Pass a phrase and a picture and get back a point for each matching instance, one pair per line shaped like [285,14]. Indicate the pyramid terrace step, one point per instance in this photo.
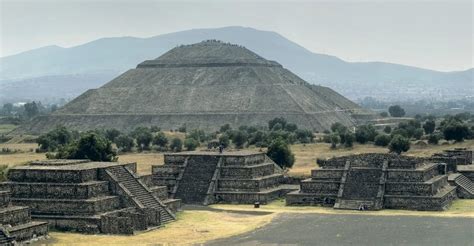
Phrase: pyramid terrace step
[245,197]
[320,186]
[254,171]
[440,201]
[426,188]
[255,184]
[69,206]
[58,190]
[423,173]
[14,215]
[28,230]
[327,174]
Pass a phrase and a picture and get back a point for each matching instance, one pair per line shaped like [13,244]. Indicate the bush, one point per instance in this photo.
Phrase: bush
[418,133]
[176,145]
[384,114]
[349,139]
[143,137]
[225,128]
[291,127]
[224,140]
[455,130]
[191,144]
[365,133]
[279,120]
[387,129]
[335,140]
[433,139]
[54,139]
[124,143]
[112,134]
[280,153]
[396,111]
[382,140]
[239,138]
[304,136]
[90,146]
[429,126]
[182,128]
[399,144]
[160,140]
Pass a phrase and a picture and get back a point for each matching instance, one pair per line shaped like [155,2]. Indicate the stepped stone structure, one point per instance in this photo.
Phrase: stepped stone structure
[89,197]
[16,224]
[206,177]
[204,85]
[376,181]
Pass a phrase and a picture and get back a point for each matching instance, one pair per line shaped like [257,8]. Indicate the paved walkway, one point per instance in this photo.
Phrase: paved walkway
[324,229]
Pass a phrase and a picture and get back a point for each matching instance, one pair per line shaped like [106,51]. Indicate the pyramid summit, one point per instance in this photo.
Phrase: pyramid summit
[204,85]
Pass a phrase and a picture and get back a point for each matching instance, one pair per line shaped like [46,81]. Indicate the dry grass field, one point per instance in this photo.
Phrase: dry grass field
[192,227]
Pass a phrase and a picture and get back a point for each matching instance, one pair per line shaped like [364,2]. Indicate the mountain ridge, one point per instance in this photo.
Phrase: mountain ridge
[112,56]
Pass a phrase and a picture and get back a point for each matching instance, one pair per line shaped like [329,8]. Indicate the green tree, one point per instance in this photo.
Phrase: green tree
[280,153]
[382,140]
[335,140]
[455,130]
[90,146]
[239,139]
[396,111]
[387,129]
[191,144]
[225,128]
[304,136]
[429,126]
[278,120]
[224,140]
[291,127]
[433,139]
[384,114]
[160,140]
[54,139]
[349,139]
[176,145]
[31,109]
[365,133]
[124,143]
[399,144]
[7,108]
[143,137]
[112,134]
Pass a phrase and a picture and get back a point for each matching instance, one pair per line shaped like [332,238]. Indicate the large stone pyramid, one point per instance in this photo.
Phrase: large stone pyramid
[204,85]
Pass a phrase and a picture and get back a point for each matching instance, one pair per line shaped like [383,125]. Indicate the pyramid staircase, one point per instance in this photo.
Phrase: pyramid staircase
[196,179]
[207,177]
[361,188]
[464,185]
[141,194]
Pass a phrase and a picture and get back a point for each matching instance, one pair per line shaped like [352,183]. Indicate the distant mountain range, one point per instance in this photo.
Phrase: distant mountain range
[54,72]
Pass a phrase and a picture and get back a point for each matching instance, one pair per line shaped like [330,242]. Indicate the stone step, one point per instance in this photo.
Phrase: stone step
[14,215]
[28,230]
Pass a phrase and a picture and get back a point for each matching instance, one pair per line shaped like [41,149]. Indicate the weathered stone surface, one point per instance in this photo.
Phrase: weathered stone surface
[204,86]
[372,181]
[231,177]
[84,196]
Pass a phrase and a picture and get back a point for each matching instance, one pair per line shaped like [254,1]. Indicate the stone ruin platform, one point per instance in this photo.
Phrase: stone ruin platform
[16,225]
[376,181]
[206,177]
[88,197]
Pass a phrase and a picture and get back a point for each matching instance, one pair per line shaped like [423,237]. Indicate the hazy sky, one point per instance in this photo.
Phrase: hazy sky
[430,34]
